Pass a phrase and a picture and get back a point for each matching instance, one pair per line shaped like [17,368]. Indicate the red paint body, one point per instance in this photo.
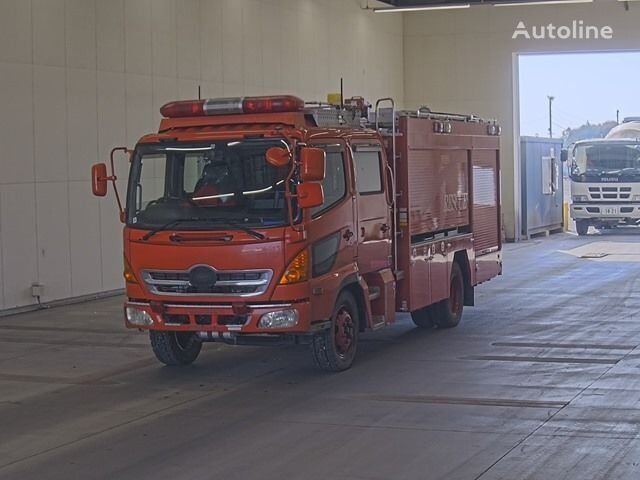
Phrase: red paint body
[447,207]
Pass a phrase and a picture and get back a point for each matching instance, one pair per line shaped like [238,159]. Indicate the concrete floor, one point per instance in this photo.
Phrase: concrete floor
[541,380]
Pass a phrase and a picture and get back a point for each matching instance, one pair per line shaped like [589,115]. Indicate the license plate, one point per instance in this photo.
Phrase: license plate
[609,210]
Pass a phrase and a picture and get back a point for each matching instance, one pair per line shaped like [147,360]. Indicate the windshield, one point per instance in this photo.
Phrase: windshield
[195,186]
[606,162]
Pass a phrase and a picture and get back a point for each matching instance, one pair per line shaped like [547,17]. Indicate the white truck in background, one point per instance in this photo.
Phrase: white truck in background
[605,178]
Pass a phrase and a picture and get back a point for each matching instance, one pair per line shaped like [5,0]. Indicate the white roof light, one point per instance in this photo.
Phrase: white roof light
[420,9]
[545,2]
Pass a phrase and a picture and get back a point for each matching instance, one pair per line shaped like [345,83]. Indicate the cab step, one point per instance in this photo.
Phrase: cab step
[374,293]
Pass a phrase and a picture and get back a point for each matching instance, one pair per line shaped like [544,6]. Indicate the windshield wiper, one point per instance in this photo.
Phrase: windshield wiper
[170,224]
[235,224]
[217,221]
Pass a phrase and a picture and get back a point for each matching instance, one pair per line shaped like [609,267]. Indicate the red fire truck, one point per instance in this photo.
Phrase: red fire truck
[265,220]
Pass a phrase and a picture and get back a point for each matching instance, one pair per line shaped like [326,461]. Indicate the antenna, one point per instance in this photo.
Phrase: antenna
[199,97]
[341,95]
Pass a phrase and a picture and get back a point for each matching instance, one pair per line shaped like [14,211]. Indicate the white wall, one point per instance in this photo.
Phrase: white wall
[78,77]
[461,60]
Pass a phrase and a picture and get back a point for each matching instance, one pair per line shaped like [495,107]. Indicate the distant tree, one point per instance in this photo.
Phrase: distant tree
[586,131]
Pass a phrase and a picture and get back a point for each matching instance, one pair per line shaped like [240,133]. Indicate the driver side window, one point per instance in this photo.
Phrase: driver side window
[193,167]
[152,180]
[334,184]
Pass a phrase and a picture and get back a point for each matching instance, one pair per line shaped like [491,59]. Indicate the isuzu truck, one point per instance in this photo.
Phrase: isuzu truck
[605,179]
[268,220]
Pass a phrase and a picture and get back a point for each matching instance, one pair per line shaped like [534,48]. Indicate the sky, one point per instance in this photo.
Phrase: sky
[586,86]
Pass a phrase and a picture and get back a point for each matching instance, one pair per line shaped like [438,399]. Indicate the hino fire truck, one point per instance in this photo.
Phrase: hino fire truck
[265,220]
[605,179]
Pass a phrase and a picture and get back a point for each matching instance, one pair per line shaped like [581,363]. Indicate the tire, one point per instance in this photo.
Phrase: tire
[175,348]
[335,348]
[582,227]
[449,311]
[423,318]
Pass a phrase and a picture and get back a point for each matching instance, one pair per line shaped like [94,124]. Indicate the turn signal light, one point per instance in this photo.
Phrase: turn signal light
[128,274]
[298,269]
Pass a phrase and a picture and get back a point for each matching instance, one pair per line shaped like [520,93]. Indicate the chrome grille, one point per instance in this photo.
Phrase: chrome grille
[242,283]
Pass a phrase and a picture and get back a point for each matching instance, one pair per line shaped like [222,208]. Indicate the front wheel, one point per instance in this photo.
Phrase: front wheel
[175,348]
[334,349]
[582,227]
[449,311]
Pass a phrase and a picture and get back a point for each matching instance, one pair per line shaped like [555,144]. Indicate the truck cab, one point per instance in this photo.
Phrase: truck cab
[605,179]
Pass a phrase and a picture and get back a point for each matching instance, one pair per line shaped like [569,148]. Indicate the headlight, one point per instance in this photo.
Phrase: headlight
[580,198]
[135,316]
[635,198]
[281,319]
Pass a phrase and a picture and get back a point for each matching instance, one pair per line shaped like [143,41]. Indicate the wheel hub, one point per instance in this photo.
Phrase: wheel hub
[456,297]
[184,339]
[344,331]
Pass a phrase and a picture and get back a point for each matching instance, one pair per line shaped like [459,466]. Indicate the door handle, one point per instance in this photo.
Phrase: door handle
[384,228]
[363,232]
[347,235]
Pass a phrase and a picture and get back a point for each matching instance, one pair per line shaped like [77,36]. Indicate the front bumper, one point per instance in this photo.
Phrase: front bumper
[219,318]
[598,211]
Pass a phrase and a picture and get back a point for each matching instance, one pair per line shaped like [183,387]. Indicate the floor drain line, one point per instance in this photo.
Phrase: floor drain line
[594,346]
[507,358]
[488,402]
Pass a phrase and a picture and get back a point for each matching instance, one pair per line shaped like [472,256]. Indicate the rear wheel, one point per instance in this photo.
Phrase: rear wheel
[335,348]
[582,227]
[449,311]
[423,318]
[175,348]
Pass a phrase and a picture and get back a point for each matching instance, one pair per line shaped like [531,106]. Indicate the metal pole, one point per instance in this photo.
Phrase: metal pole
[550,122]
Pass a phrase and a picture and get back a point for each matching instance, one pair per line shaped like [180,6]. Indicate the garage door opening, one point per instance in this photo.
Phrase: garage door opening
[564,98]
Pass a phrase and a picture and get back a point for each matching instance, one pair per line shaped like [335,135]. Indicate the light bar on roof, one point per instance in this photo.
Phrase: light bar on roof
[232,106]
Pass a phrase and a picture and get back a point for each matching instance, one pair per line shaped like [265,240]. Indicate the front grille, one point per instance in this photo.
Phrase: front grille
[176,318]
[244,283]
[610,193]
[235,320]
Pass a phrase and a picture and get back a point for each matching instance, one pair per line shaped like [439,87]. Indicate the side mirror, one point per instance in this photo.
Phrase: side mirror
[564,155]
[312,164]
[99,179]
[278,157]
[310,195]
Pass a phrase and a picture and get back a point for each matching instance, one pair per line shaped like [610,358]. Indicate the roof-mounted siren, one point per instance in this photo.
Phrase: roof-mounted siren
[494,129]
[630,119]
[232,106]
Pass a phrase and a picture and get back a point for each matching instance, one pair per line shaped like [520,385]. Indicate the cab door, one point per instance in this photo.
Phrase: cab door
[332,230]
[373,214]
